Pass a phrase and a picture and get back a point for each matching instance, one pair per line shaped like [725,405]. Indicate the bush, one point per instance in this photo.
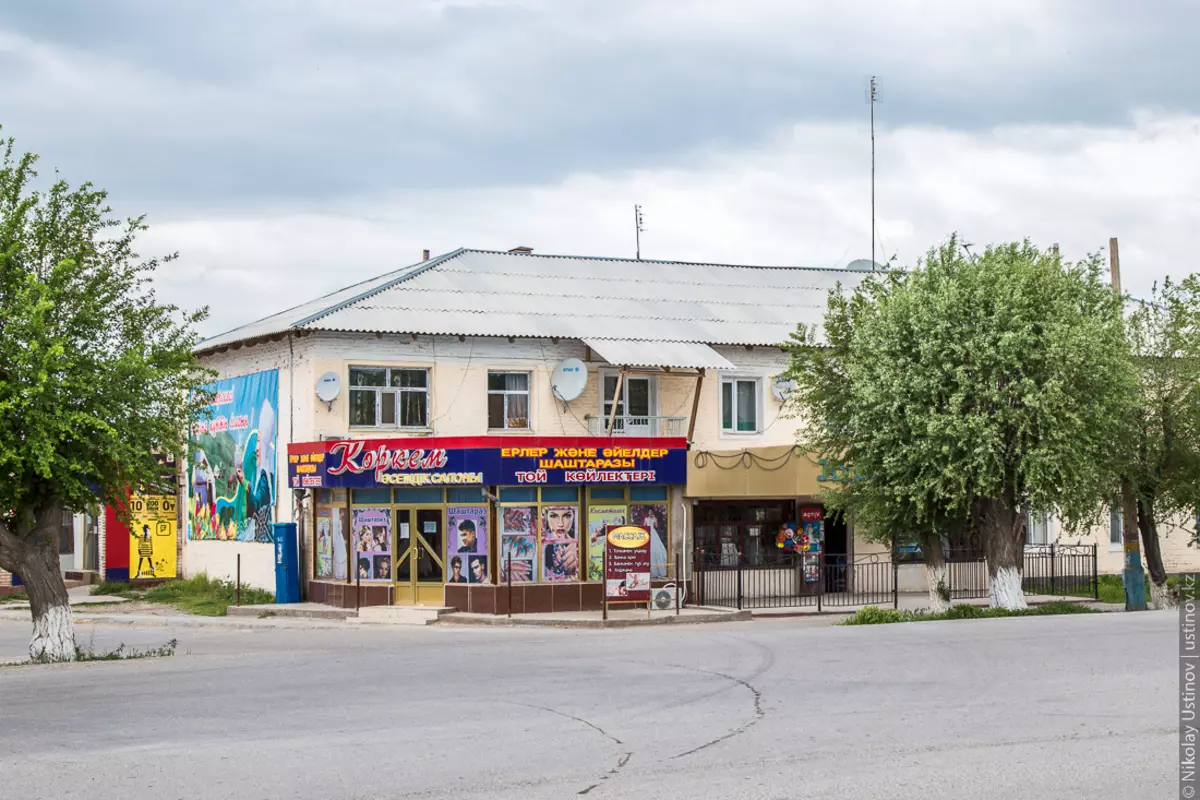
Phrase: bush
[962,611]
[874,615]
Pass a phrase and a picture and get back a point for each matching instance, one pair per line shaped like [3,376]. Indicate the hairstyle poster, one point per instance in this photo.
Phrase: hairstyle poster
[371,533]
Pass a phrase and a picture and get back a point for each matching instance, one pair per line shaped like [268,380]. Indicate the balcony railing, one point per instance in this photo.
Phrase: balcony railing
[638,426]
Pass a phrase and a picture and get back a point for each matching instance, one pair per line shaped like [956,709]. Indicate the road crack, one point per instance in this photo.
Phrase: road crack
[621,762]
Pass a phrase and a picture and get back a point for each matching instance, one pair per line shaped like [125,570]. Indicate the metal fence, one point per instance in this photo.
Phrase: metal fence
[1066,570]
[837,580]
[798,580]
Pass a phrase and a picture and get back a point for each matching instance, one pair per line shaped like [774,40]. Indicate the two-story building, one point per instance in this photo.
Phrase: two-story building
[480,415]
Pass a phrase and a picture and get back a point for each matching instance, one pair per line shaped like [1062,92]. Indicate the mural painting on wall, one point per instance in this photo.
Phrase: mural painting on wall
[599,520]
[152,536]
[231,491]
[560,543]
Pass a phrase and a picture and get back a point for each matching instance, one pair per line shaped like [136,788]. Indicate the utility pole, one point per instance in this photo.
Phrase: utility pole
[637,225]
[1134,577]
[874,95]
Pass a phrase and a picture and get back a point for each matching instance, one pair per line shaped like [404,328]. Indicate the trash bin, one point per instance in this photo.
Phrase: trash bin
[287,563]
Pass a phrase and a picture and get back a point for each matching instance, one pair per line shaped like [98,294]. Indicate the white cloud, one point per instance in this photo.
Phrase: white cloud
[801,199]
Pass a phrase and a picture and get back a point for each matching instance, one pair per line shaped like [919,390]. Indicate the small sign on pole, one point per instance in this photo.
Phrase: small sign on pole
[627,566]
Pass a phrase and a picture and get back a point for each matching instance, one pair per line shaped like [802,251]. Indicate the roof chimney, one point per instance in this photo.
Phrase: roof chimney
[424,255]
[522,249]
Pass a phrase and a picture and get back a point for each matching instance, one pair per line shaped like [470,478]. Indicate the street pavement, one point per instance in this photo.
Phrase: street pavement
[1051,707]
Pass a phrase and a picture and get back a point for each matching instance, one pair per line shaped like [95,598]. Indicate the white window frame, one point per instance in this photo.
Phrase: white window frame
[397,391]
[1116,515]
[757,380]
[623,402]
[1030,517]
[506,392]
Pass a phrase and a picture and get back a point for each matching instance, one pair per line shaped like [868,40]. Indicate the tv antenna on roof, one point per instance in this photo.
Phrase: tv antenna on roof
[872,99]
[638,221]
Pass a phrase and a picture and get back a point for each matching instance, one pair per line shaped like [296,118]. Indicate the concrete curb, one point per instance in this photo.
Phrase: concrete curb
[291,612]
[490,621]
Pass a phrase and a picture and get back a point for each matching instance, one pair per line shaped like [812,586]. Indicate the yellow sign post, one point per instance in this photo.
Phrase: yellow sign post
[152,529]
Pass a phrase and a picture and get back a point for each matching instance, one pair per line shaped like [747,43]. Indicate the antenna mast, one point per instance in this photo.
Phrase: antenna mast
[874,95]
[637,224]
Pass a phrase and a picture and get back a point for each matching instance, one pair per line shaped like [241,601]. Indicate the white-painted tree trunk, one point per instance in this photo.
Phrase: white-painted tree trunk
[939,600]
[53,635]
[1161,597]
[1006,591]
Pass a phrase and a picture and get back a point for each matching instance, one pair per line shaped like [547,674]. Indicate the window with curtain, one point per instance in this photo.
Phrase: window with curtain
[1037,528]
[389,398]
[1115,529]
[66,537]
[740,405]
[508,400]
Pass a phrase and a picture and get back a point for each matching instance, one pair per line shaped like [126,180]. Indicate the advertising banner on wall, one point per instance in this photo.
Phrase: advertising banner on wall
[152,528]
[371,533]
[469,542]
[487,460]
[627,577]
[518,544]
[560,543]
[600,518]
[231,487]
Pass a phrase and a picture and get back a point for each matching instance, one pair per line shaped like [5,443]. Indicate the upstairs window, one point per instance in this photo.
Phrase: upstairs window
[1037,528]
[508,400]
[740,401]
[389,398]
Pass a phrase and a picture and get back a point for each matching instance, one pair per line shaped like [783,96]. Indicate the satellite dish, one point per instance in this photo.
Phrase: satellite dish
[782,388]
[329,386]
[569,379]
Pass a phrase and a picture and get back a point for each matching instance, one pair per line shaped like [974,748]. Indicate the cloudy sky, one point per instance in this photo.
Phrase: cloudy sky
[286,149]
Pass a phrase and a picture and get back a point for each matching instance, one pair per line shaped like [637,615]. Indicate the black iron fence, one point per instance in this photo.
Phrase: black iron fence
[794,580]
[800,580]
[1066,570]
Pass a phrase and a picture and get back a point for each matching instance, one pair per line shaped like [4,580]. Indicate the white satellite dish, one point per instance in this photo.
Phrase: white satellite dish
[329,386]
[569,379]
[782,388]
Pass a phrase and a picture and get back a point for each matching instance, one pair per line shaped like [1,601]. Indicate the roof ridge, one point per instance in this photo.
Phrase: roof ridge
[411,272]
[576,315]
[666,261]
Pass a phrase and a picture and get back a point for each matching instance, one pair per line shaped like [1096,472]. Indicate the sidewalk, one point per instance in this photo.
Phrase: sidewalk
[623,618]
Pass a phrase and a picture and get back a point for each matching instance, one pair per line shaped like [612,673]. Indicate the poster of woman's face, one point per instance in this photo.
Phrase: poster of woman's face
[383,568]
[558,523]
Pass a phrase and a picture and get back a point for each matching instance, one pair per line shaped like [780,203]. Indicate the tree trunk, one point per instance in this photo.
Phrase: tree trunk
[1001,525]
[1160,596]
[34,556]
[935,573]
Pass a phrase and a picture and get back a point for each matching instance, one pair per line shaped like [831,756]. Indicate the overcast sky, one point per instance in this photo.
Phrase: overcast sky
[286,149]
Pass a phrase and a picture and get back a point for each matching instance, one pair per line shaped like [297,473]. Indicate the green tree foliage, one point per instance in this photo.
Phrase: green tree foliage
[95,376]
[1163,445]
[967,391]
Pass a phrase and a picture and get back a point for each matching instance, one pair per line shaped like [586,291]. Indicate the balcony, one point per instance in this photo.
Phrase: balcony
[638,426]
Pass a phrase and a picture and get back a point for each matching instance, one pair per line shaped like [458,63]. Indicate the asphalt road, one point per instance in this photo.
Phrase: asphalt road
[1055,708]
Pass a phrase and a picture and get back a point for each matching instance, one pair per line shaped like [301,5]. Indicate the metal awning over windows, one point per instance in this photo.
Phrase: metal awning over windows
[645,353]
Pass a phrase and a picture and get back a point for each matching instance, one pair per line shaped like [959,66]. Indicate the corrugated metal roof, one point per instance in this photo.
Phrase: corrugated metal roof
[643,353]
[488,293]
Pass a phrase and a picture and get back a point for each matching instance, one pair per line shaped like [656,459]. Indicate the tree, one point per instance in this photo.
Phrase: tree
[1163,453]
[970,390]
[95,378]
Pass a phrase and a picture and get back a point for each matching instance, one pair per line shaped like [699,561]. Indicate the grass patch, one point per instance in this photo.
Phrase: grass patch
[266,614]
[120,653]
[200,595]
[873,615]
[19,597]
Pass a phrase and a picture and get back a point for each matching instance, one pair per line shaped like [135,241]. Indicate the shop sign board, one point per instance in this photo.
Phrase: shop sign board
[627,564]
[487,461]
